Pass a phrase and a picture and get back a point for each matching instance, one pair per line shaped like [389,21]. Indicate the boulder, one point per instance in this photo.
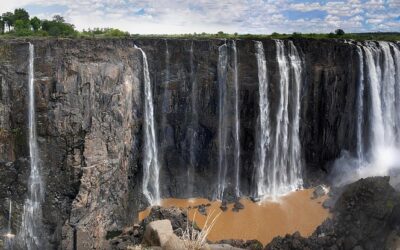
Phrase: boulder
[174,243]
[158,233]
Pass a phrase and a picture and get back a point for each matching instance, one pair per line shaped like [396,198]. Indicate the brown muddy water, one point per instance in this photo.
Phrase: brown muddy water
[262,220]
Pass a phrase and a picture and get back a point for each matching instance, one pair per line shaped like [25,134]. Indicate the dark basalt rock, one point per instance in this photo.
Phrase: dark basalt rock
[237,206]
[364,216]
[89,106]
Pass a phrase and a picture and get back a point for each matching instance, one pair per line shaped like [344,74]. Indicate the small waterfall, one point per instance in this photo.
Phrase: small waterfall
[194,125]
[263,136]
[151,166]
[9,236]
[222,123]
[9,232]
[278,166]
[360,106]
[237,121]
[31,229]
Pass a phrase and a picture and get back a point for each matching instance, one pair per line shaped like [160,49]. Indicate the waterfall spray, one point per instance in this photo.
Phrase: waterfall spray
[378,124]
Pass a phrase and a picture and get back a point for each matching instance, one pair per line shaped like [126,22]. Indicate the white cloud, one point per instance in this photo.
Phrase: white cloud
[246,16]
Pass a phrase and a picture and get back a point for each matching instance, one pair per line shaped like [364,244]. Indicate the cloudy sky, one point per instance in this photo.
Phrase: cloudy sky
[242,16]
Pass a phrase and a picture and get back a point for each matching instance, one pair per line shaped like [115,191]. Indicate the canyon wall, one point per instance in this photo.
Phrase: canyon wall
[89,113]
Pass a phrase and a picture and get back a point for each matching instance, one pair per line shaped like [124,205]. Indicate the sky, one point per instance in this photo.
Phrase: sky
[211,16]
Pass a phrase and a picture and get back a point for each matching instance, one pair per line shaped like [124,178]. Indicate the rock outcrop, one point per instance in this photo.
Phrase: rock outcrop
[366,216]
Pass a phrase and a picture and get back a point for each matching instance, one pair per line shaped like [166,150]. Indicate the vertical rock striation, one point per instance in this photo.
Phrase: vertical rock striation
[90,100]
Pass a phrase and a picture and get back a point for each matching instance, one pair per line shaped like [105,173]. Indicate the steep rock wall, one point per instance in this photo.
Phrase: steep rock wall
[90,111]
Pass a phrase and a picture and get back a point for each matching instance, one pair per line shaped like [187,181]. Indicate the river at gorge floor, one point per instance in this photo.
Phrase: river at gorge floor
[262,221]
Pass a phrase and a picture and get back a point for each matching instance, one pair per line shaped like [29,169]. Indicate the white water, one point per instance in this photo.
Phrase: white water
[151,166]
[9,236]
[278,169]
[9,218]
[222,123]
[263,137]
[31,229]
[360,105]
[295,179]
[381,155]
[237,121]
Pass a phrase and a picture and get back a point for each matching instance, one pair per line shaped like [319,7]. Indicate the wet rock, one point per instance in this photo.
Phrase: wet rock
[224,206]
[319,191]
[255,199]
[237,206]
[202,209]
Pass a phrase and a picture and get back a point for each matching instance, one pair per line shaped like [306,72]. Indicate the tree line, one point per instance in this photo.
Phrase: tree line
[19,23]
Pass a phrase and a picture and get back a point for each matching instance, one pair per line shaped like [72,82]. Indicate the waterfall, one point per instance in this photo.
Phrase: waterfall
[222,123]
[294,158]
[151,166]
[278,167]
[9,232]
[380,61]
[237,121]
[31,229]
[194,125]
[360,105]
[263,136]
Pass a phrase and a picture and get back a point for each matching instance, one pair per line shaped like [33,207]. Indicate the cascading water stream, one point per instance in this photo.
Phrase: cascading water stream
[360,105]
[278,166]
[263,137]
[222,123]
[151,166]
[9,231]
[31,229]
[380,62]
[237,120]
[294,179]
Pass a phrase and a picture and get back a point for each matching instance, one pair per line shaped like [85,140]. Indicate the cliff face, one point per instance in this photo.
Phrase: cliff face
[89,102]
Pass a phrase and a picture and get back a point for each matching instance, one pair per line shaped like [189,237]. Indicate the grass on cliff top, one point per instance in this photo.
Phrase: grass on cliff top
[392,36]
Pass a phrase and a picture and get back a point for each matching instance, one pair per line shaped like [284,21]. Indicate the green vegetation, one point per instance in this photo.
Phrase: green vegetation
[20,24]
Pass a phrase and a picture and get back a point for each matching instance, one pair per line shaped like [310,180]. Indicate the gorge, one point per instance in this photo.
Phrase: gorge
[95,130]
